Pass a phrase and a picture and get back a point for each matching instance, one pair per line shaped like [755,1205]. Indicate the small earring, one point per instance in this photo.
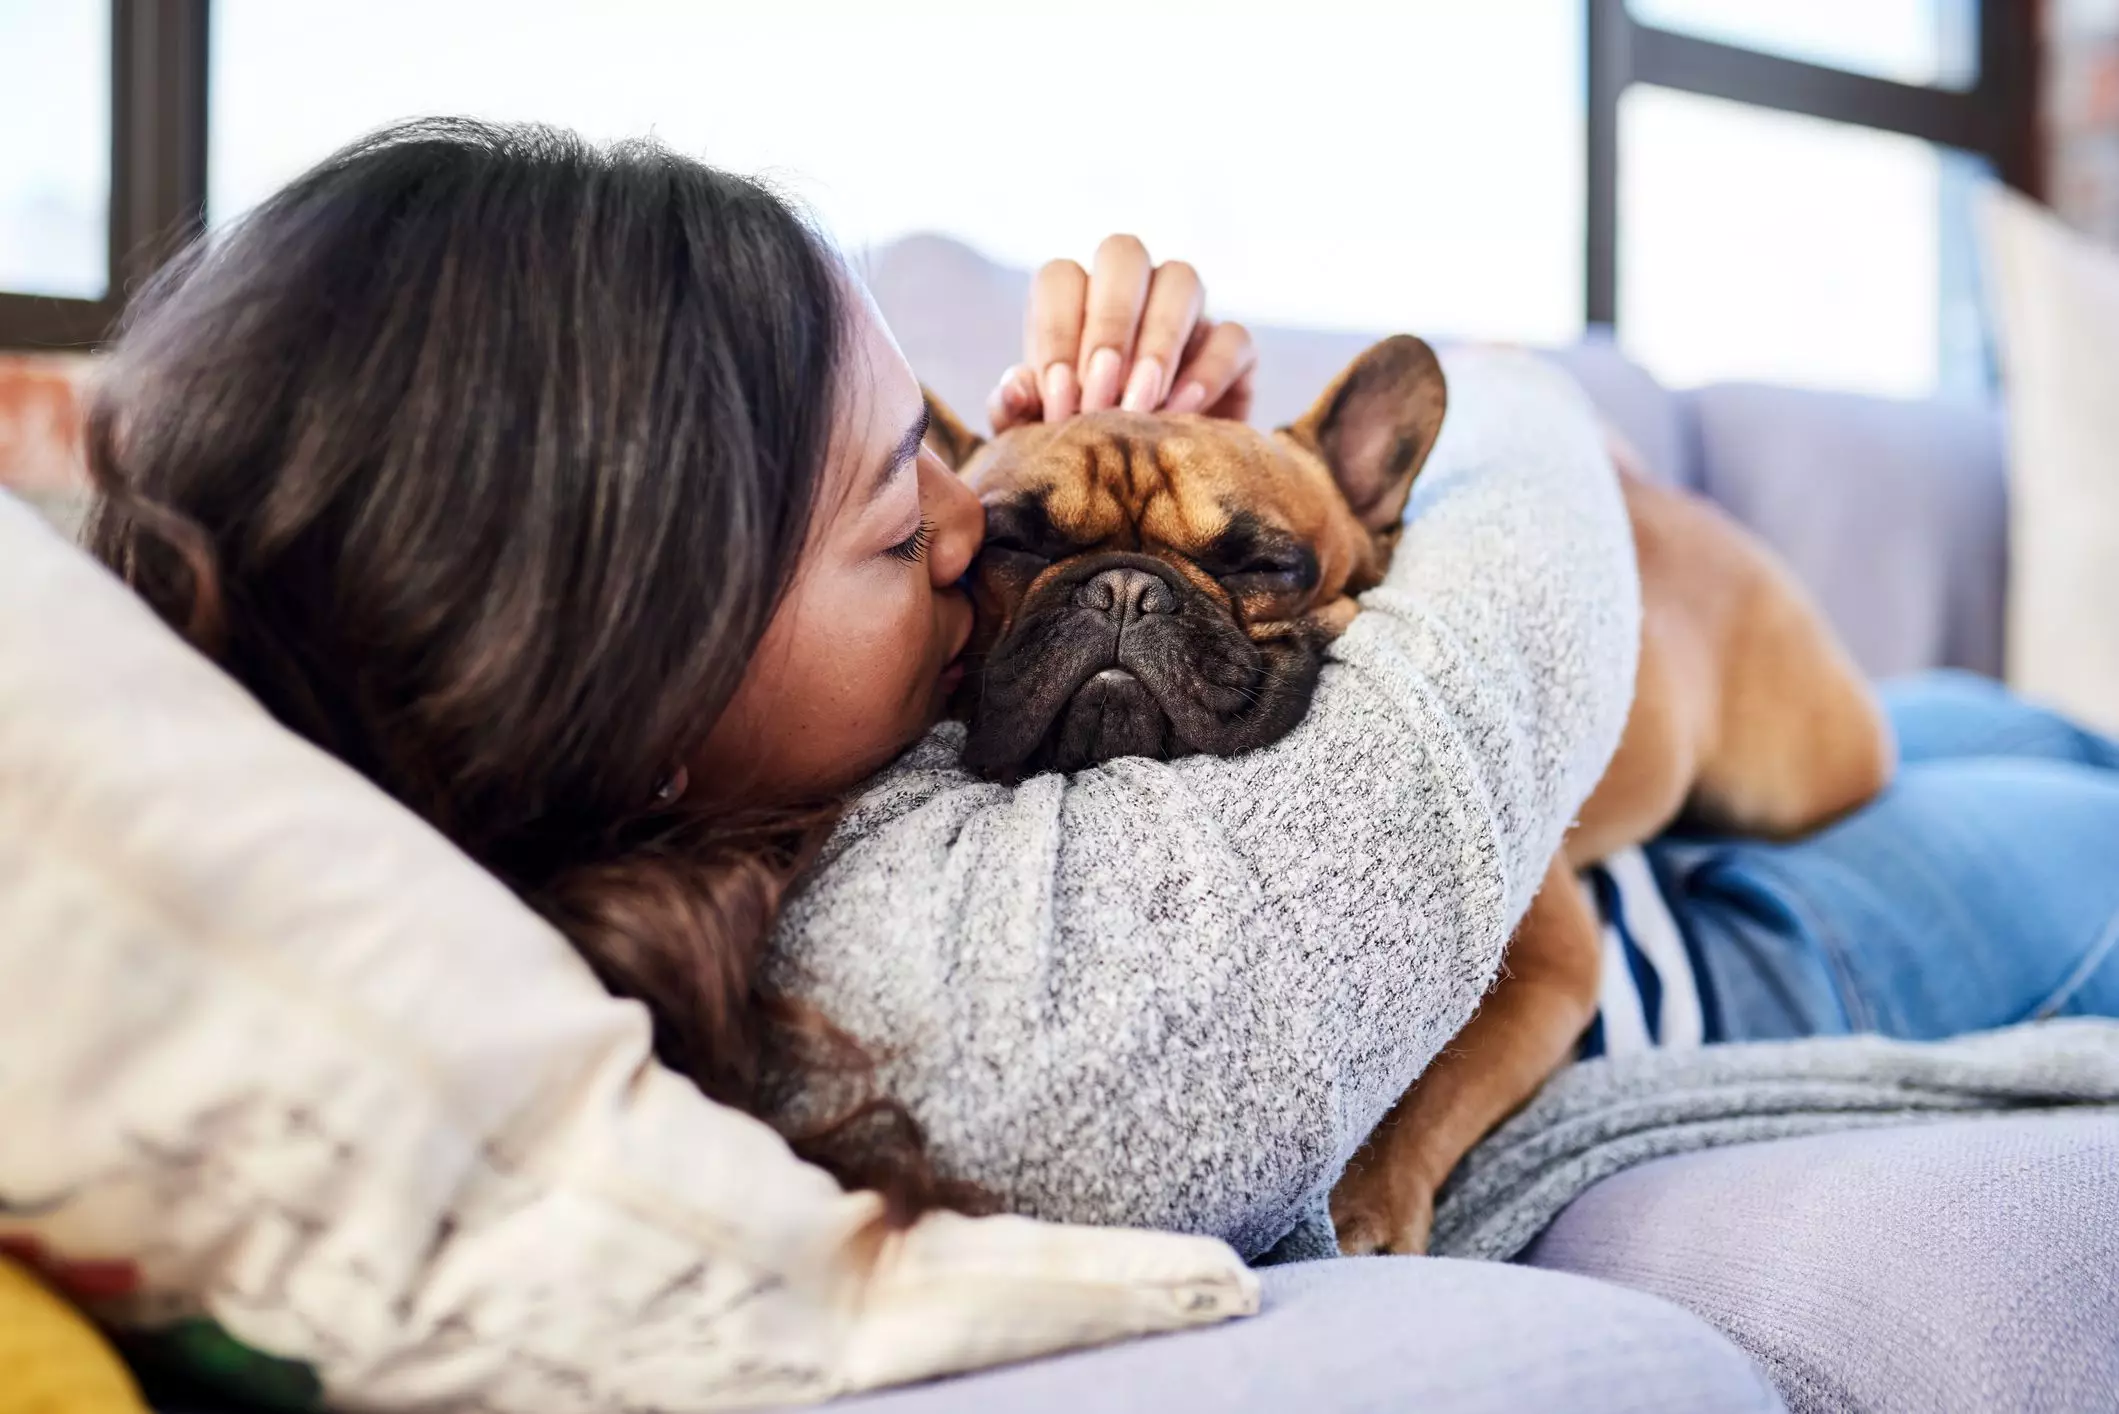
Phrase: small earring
[672,788]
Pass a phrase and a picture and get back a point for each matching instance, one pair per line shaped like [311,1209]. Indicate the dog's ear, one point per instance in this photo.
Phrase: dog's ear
[952,441]
[1376,424]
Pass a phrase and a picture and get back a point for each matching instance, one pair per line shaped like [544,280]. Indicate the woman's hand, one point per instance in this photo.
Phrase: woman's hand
[1128,334]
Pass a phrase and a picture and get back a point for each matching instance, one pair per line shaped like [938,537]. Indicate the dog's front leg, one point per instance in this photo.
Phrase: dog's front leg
[1524,1031]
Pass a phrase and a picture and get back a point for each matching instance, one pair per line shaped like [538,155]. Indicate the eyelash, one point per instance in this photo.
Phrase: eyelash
[913,548]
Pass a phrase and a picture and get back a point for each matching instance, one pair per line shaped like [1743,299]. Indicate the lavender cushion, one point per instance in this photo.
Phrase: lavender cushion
[1969,1265]
[1389,1333]
[1895,514]
[1657,421]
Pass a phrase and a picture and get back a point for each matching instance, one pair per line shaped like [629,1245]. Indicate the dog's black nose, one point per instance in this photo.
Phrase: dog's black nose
[1126,594]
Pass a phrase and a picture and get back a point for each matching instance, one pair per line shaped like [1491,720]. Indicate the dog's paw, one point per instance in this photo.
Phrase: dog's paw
[1375,1217]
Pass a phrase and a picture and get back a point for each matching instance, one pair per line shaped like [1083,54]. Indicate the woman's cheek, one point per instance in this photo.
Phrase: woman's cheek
[889,634]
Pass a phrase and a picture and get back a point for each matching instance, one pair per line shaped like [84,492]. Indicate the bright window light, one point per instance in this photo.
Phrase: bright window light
[55,163]
[1768,246]
[1340,163]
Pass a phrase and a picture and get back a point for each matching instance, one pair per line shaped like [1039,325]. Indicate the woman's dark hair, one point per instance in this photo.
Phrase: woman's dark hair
[482,457]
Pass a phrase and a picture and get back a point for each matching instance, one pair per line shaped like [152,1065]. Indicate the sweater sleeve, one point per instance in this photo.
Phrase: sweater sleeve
[1179,994]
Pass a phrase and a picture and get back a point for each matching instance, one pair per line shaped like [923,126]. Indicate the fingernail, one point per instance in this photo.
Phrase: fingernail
[1145,388]
[1190,398]
[1100,380]
[1059,392]
[1014,396]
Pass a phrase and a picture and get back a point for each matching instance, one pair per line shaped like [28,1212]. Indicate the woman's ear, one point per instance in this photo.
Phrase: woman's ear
[1376,424]
[671,788]
[950,439]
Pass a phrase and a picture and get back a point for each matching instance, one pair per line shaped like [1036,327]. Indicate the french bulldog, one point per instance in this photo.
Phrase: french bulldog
[1160,586]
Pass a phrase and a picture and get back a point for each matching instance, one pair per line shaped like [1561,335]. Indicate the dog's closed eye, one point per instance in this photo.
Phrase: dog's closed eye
[1285,572]
[1014,549]
[1252,557]
[1021,535]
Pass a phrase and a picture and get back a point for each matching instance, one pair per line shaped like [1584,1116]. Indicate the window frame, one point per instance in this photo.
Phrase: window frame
[1996,118]
[157,170]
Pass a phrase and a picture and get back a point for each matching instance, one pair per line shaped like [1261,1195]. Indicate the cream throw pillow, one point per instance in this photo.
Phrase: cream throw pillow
[2057,307]
[270,1044]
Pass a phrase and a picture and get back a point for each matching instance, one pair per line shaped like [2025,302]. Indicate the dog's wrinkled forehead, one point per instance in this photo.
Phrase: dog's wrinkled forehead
[1122,481]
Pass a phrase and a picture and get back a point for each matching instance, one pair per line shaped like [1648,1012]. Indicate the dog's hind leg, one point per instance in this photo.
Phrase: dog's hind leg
[1800,738]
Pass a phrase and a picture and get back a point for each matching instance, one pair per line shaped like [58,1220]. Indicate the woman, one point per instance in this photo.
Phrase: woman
[579,500]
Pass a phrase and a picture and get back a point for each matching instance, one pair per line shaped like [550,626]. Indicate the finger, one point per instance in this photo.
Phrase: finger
[1174,296]
[1052,334]
[1060,392]
[1216,380]
[1187,394]
[1118,288]
[1015,400]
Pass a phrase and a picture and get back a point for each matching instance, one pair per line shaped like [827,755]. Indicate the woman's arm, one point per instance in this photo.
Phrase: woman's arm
[1178,994]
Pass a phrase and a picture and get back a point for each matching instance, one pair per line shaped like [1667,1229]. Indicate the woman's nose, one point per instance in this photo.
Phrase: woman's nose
[958,518]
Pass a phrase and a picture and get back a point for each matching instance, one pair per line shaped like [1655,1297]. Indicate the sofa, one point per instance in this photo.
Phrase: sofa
[1947,1266]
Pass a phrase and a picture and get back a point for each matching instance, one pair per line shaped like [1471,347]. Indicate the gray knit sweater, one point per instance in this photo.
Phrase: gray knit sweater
[1179,994]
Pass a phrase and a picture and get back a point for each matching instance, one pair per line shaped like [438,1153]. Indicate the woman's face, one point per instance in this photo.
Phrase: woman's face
[863,652]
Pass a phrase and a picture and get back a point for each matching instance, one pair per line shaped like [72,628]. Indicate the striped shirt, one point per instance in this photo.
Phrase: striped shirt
[1648,990]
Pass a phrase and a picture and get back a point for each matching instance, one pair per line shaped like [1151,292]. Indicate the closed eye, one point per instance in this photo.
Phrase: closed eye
[913,548]
[1009,545]
[1021,535]
[1288,566]
[1278,572]
[1251,556]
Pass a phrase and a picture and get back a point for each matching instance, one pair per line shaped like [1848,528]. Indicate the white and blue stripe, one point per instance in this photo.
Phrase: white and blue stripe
[1649,991]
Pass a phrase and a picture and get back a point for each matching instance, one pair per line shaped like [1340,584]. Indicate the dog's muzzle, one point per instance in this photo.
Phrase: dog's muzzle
[1119,655]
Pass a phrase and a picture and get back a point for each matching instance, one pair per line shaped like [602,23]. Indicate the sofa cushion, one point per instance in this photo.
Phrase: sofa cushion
[1894,514]
[1656,421]
[278,1062]
[1963,1266]
[1390,1333]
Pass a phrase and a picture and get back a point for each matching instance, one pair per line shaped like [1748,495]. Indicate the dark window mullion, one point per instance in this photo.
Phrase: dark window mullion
[158,132]
[1610,36]
[33,322]
[2010,48]
[1702,66]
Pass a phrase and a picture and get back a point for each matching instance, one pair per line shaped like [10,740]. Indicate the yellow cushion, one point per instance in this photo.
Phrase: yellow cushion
[55,1361]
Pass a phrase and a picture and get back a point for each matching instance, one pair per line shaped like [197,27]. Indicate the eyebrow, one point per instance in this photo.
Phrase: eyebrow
[907,448]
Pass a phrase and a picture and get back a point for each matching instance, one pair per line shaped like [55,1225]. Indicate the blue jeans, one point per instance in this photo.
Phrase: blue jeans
[1981,889]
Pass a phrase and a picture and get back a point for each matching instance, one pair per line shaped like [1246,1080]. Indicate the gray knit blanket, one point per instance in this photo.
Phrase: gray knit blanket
[1601,1116]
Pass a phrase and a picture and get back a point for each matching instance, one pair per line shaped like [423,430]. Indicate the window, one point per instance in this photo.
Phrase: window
[103,173]
[1782,191]
[1341,163]
[1773,246]
[55,189]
